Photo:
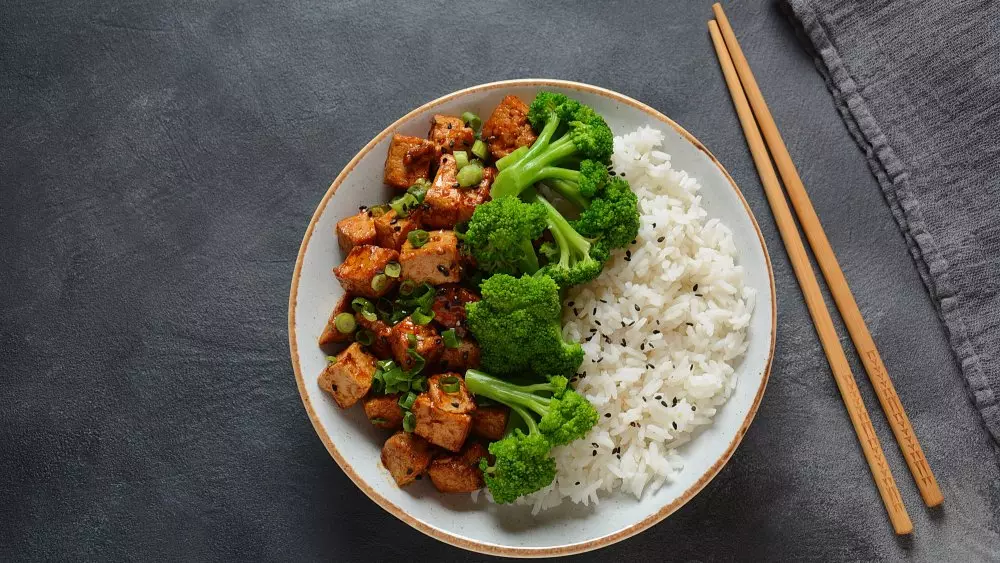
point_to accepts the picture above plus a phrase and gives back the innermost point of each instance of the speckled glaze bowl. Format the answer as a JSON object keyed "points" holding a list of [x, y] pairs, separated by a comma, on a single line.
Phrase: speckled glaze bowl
{"points": [[512, 530]]}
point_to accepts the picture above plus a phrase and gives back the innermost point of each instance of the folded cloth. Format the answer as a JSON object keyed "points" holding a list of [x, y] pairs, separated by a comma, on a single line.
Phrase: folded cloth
{"points": [[918, 85]]}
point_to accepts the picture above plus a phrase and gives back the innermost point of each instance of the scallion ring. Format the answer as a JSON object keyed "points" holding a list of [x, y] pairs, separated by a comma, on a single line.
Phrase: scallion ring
{"points": [[409, 421], [364, 337], [345, 323], [471, 175], [418, 237], [472, 120], [461, 159], [421, 318], [379, 283], [393, 269], [480, 149], [450, 338]]}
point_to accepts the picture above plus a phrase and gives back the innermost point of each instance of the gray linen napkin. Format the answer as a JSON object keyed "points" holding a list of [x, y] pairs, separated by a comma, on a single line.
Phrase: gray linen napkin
{"points": [[918, 85]]}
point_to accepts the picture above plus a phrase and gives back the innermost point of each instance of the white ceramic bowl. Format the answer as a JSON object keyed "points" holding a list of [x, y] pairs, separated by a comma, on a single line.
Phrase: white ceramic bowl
{"points": [[512, 530]]}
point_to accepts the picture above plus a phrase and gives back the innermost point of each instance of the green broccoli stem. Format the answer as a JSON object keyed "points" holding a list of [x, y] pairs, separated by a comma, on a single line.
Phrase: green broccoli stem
{"points": [[569, 191], [529, 420], [524, 173], [529, 260], [517, 397], [572, 245]]}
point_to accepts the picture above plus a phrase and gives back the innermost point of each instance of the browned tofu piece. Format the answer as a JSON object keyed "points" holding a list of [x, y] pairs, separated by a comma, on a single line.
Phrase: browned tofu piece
{"points": [[436, 262], [459, 473], [450, 134], [361, 265], [446, 203], [466, 356], [457, 401], [428, 343], [356, 230], [406, 457], [350, 377], [381, 344], [507, 128], [449, 304], [490, 422], [391, 230], [439, 427], [383, 411], [408, 160], [330, 333]]}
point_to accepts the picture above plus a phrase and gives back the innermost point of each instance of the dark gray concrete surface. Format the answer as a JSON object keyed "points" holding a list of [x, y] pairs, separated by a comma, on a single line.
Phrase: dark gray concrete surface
{"points": [[158, 164]]}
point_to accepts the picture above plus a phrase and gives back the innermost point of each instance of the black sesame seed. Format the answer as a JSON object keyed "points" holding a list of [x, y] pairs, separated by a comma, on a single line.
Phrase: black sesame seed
{"points": [[689, 324], [674, 424], [691, 367], [607, 415], [624, 343], [394, 220], [623, 324], [454, 404], [622, 174], [661, 239], [697, 295], [644, 399], [449, 126], [419, 477], [642, 347], [650, 366], [363, 208], [577, 482], [695, 288], [594, 312], [397, 228], [598, 323], [633, 241], [571, 303], [656, 331], [694, 408], [409, 470], [589, 338], [673, 403], [595, 444], [657, 322], [631, 323], [664, 403], [628, 258], [593, 330], [576, 312], [441, 268], [628, 254], [456, 185], [636, 308], [658, 397], [594, 454], [654, 225], [603, 301]]}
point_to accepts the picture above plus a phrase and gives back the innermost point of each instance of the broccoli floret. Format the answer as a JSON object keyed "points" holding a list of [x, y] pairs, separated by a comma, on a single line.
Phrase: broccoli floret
{"points": [[564, 414], [612, 218], [553, 414], [500, 235], [578, 260], [517, 325], [566, 129], [522, 466]]}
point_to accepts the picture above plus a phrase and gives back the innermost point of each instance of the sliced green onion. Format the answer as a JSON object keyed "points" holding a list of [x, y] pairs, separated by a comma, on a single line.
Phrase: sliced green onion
{"points": [[421, 318], [406, 288], [471, 175], [393, 269], [386, 364], [331, 359], [461, 159], [378, 420], [450, 338], [419, 189], [412, 339], [383, 308], [406, 401], [379, 210], [511, 158], [450, 387], [364, 337], [402, 205], [368, 312], [472, 120], [360, 304], [380, 282], [345, 323], [418, 237], [418, 361], [409, 421], [480, 149], [419, 385], [378, 383]]}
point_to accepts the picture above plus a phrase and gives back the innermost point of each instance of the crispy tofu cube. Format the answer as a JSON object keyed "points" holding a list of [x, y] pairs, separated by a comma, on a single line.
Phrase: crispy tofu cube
{"points": [[406, 457], [447, 203], [450, 134], [449, 304], [459, 473], [428, 343], [466, 356], [383, 411], [436, 262], [490, 422], [361, 266], [408, 160], [330, 333], [457, 401], [356, 230], [391, 230], [350, 377], [508, 129], [381, 344], [439, 427]]}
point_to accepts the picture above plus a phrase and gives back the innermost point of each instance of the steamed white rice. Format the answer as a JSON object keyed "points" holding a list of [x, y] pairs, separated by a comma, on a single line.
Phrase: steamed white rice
{"points": [[663, 328]]}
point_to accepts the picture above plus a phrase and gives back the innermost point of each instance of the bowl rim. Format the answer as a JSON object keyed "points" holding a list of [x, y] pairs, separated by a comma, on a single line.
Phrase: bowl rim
{"points": [[486, 547]]}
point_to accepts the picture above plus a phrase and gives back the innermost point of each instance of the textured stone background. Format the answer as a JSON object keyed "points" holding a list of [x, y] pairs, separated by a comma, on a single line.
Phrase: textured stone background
{"points": [[158, 164]]}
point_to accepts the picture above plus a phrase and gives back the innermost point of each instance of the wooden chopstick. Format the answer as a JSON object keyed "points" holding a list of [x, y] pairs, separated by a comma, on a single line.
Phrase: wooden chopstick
{"points": [[814, 298], [841, 292]]}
